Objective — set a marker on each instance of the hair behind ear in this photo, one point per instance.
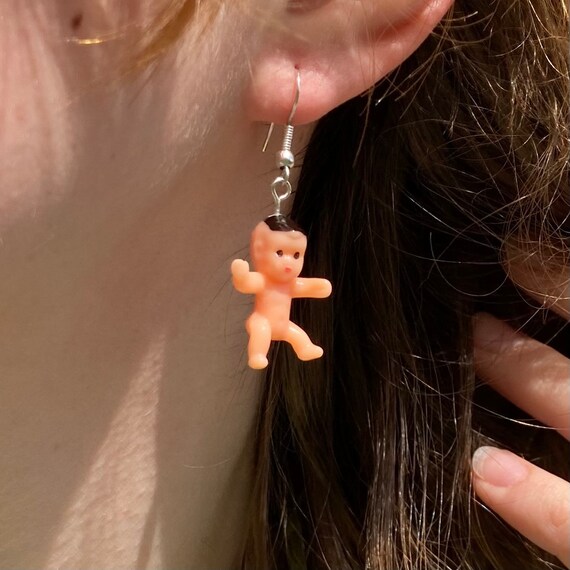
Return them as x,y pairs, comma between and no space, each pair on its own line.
363,458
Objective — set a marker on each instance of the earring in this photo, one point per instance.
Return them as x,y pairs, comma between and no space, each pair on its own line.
277,250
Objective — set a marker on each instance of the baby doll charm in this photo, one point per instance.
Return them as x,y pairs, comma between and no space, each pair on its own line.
277,250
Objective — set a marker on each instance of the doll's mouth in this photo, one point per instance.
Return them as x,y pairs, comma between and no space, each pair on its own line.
287,270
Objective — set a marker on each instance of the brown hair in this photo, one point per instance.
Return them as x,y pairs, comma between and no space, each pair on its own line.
166,28
418,200
363,459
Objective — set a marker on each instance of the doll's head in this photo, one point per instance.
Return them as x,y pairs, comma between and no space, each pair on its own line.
278,248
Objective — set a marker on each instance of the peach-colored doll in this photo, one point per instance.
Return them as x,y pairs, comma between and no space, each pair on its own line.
277,250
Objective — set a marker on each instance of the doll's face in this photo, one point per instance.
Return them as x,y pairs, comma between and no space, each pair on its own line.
278,255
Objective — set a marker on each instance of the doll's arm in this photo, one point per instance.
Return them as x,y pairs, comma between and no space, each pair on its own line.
313,287
244,280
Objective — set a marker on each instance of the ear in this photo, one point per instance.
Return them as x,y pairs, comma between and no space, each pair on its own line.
341,48
257,240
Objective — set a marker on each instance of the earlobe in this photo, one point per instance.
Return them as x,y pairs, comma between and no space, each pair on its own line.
340,48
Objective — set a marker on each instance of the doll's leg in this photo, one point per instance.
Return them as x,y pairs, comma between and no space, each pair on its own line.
302,344
259,331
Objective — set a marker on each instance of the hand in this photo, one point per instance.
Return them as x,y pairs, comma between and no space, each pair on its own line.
240,268
536,378
324,289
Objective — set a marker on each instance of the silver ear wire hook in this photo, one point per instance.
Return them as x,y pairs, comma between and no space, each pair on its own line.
291,114
268,137
284,158
297,94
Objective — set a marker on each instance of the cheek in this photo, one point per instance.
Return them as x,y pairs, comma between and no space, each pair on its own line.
36,149
68,127
268,262
47,89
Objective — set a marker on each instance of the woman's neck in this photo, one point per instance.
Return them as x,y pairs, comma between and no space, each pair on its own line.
127,424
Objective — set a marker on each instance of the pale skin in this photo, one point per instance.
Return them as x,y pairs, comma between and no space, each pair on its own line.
278,258
126,423
537,379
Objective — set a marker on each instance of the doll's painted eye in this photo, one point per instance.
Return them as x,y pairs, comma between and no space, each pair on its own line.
279,253
296,255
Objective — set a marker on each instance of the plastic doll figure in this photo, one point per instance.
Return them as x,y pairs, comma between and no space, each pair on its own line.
277,250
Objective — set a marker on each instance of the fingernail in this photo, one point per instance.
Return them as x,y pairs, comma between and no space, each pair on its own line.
499,467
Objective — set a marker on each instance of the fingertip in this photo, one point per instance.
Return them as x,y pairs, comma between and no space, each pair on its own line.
498,467
488,331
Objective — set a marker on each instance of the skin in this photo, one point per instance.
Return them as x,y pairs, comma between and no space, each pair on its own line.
278,258
125,432
127,411
537,379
